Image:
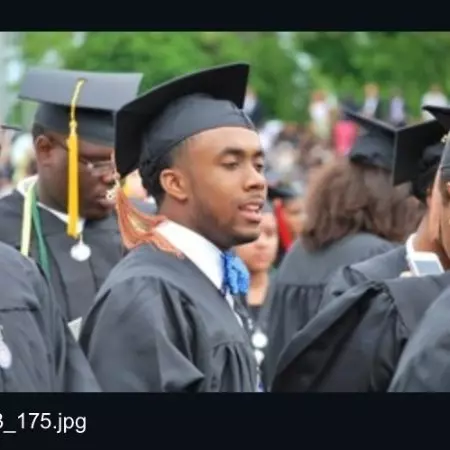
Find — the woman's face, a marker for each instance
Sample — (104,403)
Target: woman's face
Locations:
(259,255)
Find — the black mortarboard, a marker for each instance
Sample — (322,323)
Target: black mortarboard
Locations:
(282,192)
(442,115)
(78,104)
(154,123)
(418,153)
(100,96)
(375,145)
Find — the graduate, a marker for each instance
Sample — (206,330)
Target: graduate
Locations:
(418,153)
(259,257)
(424,365)
(355,341)
(64,217)
(171,315)
(352,212)
(38,353)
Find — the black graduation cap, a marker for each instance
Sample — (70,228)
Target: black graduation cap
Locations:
(100,95)
(375,146)
(78,104)
(442,115)
(151,125)
(418,153)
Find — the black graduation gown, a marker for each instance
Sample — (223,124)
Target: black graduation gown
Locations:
(425,363)
(299,284)
(160,325)
(355,342)
(381,267)
(75,283)
(44,354)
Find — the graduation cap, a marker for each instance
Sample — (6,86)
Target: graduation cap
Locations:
(78,104)
(154,123)
(442,115)
(281,192)
(418,153)
(375,146)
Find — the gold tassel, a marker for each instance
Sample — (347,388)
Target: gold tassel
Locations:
(72,145)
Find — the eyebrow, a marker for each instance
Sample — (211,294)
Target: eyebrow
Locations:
(241,152)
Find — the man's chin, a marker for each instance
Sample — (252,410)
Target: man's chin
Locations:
(246,235)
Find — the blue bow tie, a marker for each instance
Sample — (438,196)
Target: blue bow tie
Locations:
(236,278)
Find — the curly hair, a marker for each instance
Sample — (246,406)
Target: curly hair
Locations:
(345,198)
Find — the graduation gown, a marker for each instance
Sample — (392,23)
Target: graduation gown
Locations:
(37,351)
(381,267)
(355,342)
(160,325)
(75,283)
(425,363)
(299,284)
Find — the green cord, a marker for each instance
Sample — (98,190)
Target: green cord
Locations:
(43,254)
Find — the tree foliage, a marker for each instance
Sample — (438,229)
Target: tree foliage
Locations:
(341,61)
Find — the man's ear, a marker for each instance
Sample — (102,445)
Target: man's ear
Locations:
(174,183)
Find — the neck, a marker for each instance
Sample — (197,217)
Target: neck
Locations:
(45,198)
(423,243)
(259,282)
(179,216)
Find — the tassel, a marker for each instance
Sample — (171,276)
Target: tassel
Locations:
(72,145)
(138,228)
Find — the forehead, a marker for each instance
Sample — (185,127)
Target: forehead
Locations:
(228,137)
(95,150)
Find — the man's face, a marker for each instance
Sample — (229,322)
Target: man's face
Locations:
(226,187)
(96,174)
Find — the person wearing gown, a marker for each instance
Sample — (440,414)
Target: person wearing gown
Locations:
(75,240)
(259,257)
(418,154)
(352,212)
(38,352)
(171,317)
(423,366)
(355,341)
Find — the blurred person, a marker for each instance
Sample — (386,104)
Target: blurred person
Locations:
(434,97)
(64,216)
(171,316)
(418,153)
(373,105)
(320,114)
(254,108)
(373,321)
(397,109)
(352,212)
(259,257)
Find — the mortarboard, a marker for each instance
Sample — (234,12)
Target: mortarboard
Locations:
(78,104)
(154,123)
(375,146)
(442,115)
(282,192)
(418,152)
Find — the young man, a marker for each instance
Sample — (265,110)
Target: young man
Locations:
(75,240)
(170,317)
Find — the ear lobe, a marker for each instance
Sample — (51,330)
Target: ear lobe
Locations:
(174,184)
